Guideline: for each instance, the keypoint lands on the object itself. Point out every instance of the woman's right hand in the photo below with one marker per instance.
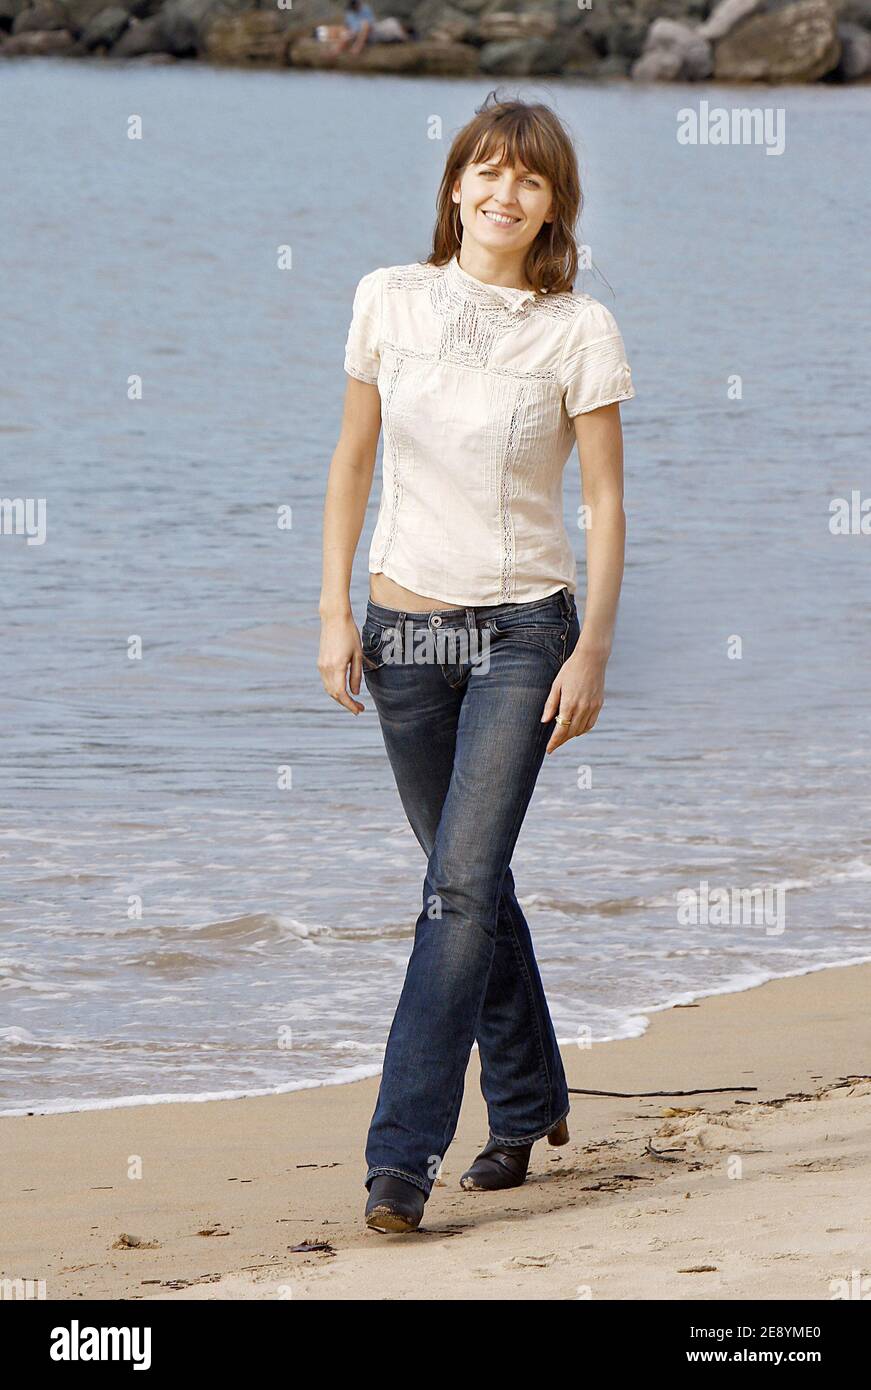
(340, 649)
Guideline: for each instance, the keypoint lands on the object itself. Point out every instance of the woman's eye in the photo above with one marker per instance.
(527, 178)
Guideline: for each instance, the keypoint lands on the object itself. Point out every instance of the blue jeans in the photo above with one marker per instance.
(462, 727)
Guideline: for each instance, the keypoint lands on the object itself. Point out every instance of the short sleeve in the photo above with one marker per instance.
(593, 368)
(363, 345)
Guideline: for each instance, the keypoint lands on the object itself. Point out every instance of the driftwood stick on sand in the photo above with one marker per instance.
(640, 1095)
(667, 1155)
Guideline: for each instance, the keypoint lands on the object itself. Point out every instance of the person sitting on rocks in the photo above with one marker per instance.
(361, 27)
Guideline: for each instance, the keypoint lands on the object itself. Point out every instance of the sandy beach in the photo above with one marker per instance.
(741, 1194)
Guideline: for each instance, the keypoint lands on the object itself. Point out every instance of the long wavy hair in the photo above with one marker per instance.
(532, 134)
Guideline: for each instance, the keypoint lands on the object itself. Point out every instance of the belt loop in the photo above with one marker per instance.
(566, 598)
(400, 632)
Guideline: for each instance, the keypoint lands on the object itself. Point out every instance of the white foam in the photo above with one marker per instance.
(65, 1107)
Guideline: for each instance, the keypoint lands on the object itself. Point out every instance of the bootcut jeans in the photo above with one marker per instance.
(459, 695)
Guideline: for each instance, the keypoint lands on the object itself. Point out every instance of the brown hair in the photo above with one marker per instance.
(531, 134)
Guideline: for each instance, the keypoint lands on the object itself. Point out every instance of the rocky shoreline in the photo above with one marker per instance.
(730, 41)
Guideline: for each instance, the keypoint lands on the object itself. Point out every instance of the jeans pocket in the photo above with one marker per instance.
(545, 630)
(372, 639)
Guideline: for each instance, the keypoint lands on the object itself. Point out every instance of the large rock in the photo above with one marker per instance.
(444, 59)
(453, 59)
(184, 24)
(406, 10)
(522, 57)
(81, 12)
(50, 43)
(615, 65)
(461, 29)
(500, 25)
(434, 19)
(40, 18)
(673, 52)
(581, 57)
(105, 28)
(796, 44)
(9, 9)
(725, 16)
(141, 36)
(473, 7)
(657, 65)
(619, 28)
(855, 12)
(179, 26)
(647, 10)
(855, 61)
(258, 36)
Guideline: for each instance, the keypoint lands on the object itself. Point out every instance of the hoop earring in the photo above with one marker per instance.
(457, 229)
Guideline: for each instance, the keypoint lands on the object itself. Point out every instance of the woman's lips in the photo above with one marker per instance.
(496, 218)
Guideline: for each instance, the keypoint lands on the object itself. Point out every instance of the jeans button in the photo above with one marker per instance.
(436, 620)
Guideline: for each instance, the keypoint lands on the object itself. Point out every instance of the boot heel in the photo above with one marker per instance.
(559, 1135)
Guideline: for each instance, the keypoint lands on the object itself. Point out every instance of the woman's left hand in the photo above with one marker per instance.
(577, 694)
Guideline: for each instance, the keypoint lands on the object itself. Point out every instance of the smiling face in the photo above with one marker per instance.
(502, 207)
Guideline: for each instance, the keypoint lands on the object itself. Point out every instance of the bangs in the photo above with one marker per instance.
(519, 141)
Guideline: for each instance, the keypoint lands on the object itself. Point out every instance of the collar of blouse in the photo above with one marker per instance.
(513, 299)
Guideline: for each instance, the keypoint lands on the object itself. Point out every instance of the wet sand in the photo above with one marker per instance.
(742, 1194)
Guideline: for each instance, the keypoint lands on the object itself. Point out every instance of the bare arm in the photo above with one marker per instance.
(348, 486)
(578, 692)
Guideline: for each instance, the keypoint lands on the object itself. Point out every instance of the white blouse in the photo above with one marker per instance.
(478, 384)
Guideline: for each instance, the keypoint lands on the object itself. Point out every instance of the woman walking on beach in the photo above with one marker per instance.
(485, 369)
